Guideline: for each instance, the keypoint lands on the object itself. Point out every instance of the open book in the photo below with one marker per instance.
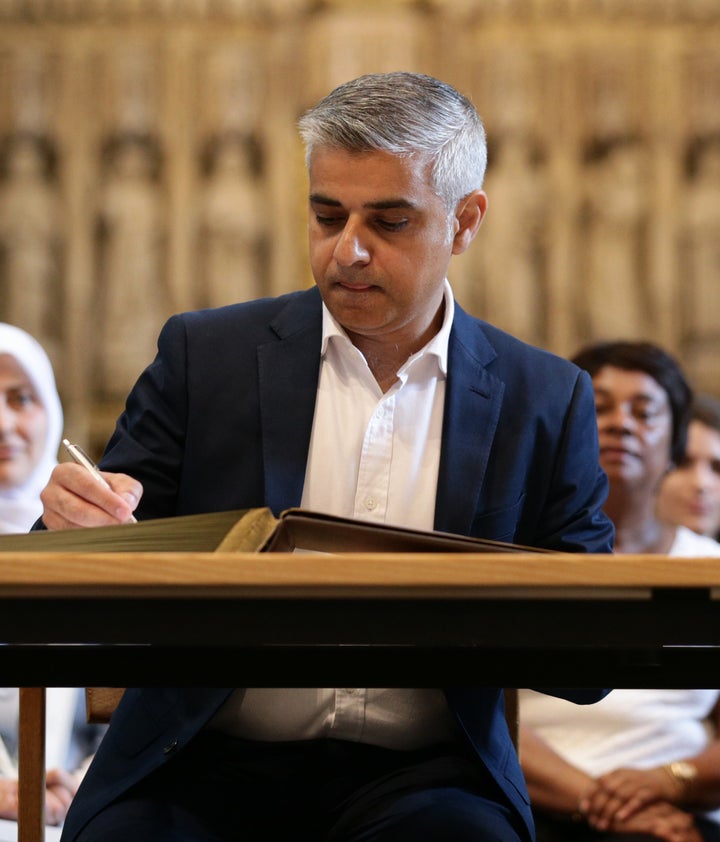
(253, 530)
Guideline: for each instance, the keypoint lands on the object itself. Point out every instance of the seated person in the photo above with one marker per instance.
(690, 493)
(372, 395)
(70, 743)
(31, 420)
(641, 764)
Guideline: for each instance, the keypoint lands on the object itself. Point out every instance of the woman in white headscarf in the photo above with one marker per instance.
(31, 422)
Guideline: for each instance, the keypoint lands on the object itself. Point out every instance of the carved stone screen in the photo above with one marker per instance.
(149, 163)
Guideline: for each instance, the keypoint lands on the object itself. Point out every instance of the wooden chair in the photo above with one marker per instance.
(100, 702)
(31, 765)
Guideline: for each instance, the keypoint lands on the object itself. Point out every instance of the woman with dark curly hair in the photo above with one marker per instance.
(639, 765)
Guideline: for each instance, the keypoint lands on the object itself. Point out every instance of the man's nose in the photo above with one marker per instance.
(351, 247)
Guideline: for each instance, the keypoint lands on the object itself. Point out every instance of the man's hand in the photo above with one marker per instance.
(74, 498)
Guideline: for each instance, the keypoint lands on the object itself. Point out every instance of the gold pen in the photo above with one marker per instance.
(78, 455)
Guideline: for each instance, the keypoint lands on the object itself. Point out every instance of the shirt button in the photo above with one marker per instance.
(370, 503)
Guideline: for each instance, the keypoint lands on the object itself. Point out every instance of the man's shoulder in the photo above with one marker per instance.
(253, 321)
(266, 308)
(503, 352)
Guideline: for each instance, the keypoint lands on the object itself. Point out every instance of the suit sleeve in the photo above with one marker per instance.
(573, 520)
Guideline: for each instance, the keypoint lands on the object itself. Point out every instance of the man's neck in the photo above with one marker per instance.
(385, 355)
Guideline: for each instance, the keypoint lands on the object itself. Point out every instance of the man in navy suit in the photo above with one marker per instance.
(371, 395)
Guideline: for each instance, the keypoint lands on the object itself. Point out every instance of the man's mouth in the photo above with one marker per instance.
(354, 287)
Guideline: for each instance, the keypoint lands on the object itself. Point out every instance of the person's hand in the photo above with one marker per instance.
(661, 819)
(60, 787)
(619, 794)
(8, 798)
(74, 498)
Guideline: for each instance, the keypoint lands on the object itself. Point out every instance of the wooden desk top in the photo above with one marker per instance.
(370, 619)
(280, 575)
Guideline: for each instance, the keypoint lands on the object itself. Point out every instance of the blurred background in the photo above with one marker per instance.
(149, 163)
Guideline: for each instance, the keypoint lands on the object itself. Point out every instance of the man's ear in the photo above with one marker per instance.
(469, 215)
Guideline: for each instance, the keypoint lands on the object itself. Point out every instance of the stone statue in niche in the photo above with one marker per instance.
(612, 249)
(131, 260)
(514, 232)
(232, 222)
(700, 252)
(31, 237)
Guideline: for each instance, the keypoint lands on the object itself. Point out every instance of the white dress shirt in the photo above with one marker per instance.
(373, 456)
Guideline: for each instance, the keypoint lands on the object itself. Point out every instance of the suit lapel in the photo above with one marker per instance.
(288, 377)
(473, 399)
(288, 372)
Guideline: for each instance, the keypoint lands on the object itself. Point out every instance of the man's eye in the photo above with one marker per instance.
(328, 221)
(392, 225)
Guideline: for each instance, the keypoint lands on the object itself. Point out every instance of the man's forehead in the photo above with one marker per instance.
(373, 180)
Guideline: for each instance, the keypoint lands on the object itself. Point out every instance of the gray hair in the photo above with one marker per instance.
(404, 114)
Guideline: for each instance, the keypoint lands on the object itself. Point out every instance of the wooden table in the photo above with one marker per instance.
(429, 619)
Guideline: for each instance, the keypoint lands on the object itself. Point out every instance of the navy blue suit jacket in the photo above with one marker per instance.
(222, 420)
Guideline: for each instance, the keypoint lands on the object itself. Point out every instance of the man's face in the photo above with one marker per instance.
(380, 243)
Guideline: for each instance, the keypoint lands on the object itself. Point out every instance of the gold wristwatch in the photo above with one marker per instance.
(682, 772)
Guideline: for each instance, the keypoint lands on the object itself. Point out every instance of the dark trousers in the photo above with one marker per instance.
(220, 789)
(549, 829)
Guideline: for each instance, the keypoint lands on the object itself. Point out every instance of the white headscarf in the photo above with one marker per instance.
(20, 507)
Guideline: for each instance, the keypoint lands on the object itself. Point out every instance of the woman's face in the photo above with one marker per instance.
(23, 424)
(634, 427)
(690, 494)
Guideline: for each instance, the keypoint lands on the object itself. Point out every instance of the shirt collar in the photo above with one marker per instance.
(437, 346)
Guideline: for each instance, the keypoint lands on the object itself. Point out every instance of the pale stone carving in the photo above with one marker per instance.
(615, 253)
(232, 224)
(514, 245)
(132, 262)
(30, 238)
(700, 258)
(613, 248)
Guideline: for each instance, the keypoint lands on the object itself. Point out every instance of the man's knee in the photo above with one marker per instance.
(432, 815)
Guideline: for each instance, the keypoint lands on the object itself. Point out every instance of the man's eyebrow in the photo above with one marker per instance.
(384, 204)
(319, 199)
(389, 204)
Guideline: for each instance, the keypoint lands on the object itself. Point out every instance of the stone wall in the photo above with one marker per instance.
(149, 163)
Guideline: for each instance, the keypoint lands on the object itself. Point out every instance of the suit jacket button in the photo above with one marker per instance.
(170, 747)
